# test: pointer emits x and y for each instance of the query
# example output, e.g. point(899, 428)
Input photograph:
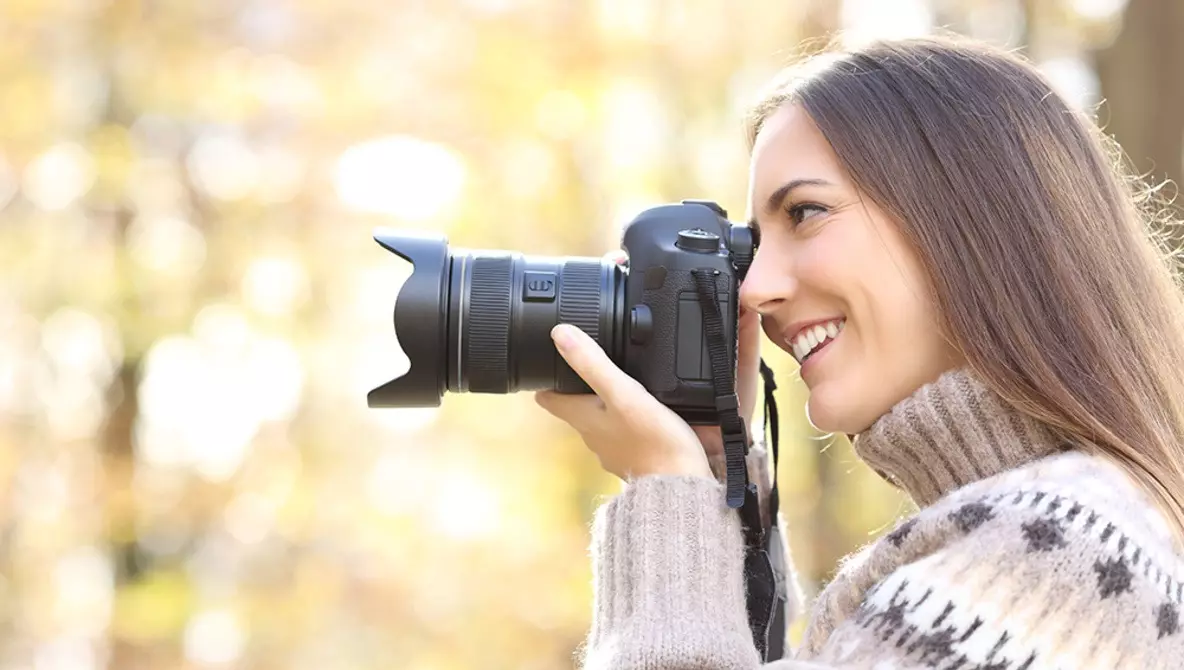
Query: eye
point(802, 211)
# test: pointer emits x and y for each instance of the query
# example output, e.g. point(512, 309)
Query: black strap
point(774, 547)
point(772, 423)
point(764, 559)
point(727, 407)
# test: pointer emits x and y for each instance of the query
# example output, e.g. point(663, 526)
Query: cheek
point(824, 255)
point(834, 264)
point(899, 327)
point(876, 283)
point(903, 306)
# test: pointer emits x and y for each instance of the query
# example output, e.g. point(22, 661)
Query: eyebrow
point(777, 197)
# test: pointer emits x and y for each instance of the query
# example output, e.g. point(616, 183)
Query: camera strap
point(765, 585)
point(727, 406)
point(773, 592)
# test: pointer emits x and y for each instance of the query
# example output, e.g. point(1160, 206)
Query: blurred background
point(192, 308)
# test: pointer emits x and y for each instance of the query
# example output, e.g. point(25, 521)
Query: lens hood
point(420, 320)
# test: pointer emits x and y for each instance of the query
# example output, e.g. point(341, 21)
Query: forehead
point(790, 146)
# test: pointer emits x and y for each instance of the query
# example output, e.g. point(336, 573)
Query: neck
point(949, 433)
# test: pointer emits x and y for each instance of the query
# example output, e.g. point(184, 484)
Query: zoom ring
point(579, 305)
point(488, 347)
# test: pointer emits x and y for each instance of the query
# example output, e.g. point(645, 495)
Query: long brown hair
point(1047, 260)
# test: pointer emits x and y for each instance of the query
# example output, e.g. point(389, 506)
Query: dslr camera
point(480, 321)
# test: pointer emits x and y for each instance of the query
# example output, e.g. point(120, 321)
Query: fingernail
point(562, 335)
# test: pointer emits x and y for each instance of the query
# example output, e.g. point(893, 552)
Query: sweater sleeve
point(667, 572)
point(1016, 581)
point(667, 558)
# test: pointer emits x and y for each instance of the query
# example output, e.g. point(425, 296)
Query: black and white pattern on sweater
point(1044, 535)
point(1123, 556)
point(901, 533)
point(933, 631)
point(1167, 620)
point(935, 643)
point(971, 516)
point(922, 609)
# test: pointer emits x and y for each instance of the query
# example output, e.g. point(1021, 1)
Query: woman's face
point(835, 282)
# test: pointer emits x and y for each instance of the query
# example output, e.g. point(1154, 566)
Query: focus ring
point(488, 347)
point(579, 305)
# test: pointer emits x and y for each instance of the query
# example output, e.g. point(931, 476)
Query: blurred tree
point(1143, 86)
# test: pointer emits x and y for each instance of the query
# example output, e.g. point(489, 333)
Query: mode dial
point(698, 240)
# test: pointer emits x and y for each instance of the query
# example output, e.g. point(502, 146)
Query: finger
point(575, 410)
point(592, 364)
point(748, 362)
point(618, 256)
point(596, 368)
point(749, 335)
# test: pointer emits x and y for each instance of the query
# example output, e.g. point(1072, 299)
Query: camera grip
point(676, 356)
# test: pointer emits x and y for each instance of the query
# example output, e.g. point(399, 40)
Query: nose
point(768, 284)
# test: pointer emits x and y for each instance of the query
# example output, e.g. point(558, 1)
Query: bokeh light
point(405, 177)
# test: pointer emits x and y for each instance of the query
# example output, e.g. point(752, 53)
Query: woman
point(1000, 335)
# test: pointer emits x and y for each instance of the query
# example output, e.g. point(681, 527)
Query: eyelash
point(795, 211)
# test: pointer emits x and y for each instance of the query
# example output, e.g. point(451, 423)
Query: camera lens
point(501, 309)
point(480, 321)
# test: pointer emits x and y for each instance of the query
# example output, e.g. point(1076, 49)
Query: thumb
point(591, 363)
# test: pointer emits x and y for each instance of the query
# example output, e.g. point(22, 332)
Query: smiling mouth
point(812, 339)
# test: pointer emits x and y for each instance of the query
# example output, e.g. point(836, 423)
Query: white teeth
point(811, 338)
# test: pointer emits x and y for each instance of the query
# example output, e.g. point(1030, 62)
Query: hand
point(748, 364)
point(631, 433)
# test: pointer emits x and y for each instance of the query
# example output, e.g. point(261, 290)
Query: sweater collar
point(949, 433)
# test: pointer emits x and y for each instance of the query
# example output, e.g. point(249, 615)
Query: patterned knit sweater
point(1026, 555)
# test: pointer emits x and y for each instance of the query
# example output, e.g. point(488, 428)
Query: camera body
point(665, 345)
point(479, 321)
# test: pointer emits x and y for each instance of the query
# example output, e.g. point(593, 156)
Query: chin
point(831, 415)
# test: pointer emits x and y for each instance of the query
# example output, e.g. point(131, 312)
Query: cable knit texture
point(1026, 555)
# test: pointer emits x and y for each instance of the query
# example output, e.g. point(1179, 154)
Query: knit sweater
point(1026, 554)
